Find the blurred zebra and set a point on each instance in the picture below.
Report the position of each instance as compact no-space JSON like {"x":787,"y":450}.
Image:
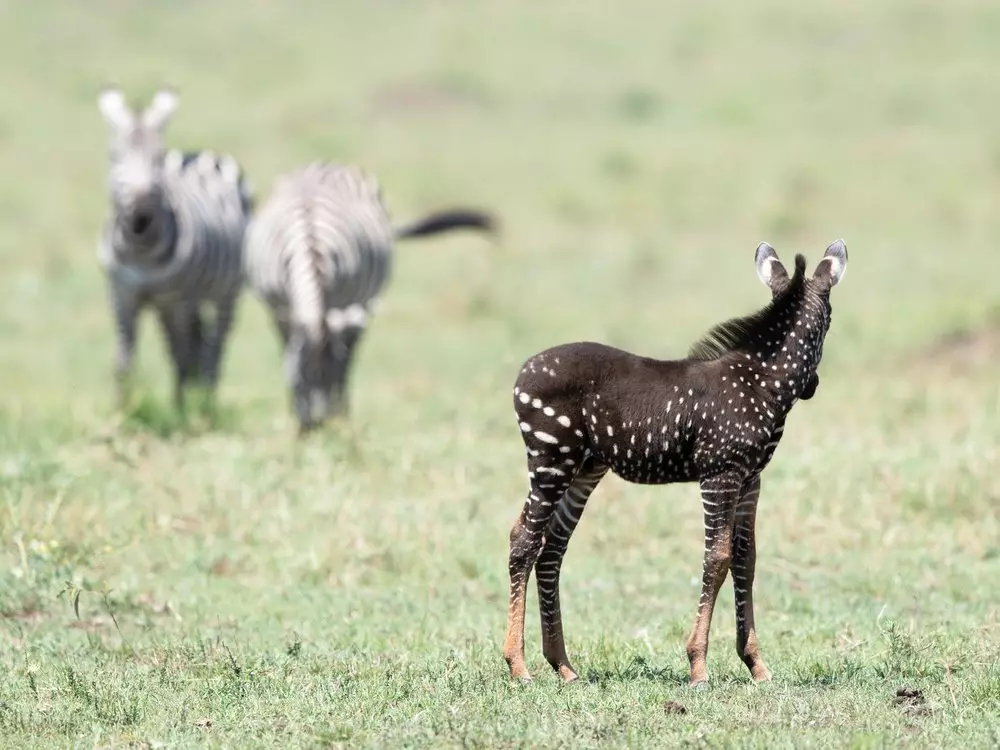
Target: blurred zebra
{"x":318,"y":254}
{"x":172,"y":241}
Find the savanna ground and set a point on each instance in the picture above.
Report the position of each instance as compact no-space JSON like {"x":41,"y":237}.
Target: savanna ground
{"x":235,"y":587}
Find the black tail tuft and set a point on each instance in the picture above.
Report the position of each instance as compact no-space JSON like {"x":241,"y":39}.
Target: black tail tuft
{"x":447,"y":220}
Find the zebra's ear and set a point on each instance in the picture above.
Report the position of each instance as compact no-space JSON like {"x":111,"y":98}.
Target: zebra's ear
{"x":834,"y":264}
{"x":159,"y":111}
{"x":114,"y":109}
{"x":770,"y":271}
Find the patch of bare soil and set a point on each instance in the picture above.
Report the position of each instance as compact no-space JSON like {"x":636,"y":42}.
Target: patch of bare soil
{"x":673,"y":707}
{"x":416,"y":98}
{"x":912,"y":702}
{"x":154,"y":606}
{"x":29,"y":615}
{"x":91,"y":624}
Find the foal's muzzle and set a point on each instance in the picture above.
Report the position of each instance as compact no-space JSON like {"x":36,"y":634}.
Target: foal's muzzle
{"x":810,"y":388}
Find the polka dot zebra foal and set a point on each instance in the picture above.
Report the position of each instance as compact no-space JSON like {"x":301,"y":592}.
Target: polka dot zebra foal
{"x":714,"y":418}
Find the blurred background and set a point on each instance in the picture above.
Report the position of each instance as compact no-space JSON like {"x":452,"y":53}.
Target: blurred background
{"x":636,"y":153}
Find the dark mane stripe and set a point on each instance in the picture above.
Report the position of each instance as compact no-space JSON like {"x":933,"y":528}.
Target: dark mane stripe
{"x":736,"y":333}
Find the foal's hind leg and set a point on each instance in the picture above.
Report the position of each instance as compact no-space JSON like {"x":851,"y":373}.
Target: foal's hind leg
{"x":556,"y":450}
{"x":525,"y":545}
{"x":557,"y":534}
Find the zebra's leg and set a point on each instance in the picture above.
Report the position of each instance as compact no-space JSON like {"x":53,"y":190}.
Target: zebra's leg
{"x":215,"y":342}
{"x":526,"y":540}
{"x":557,"y":534}
{"x":293,"y":369}
{"x":343,"y":362}
{"x":743,"y":565}
{"x":348,"y":327}
{"x":719,"y":497}
{"x":283,"y":328}
{"x":196,"y":334}
{"x":175,"y":321}
{"x":126,"y":312}
{"x":296,"y":352}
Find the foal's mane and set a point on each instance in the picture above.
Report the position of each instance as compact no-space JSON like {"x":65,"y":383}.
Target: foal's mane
{"x":735,"y":334}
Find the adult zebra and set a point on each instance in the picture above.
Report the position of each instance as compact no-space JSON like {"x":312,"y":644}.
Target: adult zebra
{"x":318,"y":253}
{"x":172,"y":241}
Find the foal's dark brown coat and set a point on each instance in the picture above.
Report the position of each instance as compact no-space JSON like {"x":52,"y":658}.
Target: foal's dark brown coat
{"x":715,"y":418}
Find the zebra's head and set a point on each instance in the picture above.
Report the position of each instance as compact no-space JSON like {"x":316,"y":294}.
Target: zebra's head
{"x":806,"y":310}
{"x":136,"y":161}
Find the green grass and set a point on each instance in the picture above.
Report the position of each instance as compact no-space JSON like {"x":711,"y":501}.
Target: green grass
{"x":222,"y":584}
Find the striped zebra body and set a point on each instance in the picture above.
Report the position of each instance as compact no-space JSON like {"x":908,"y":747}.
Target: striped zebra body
{"x":318,"y":253}
{"x":172,"y":242}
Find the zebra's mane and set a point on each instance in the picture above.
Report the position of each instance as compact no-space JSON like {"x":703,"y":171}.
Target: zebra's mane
{"x":735,"y":334}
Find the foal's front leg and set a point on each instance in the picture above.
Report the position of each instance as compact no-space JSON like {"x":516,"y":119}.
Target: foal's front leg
{"x":719,"y":497}
{"x":743,"y":564}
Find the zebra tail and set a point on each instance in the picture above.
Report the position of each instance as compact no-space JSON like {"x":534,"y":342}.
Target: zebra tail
{"x":447,"y":220}
{"x":307,"y":300}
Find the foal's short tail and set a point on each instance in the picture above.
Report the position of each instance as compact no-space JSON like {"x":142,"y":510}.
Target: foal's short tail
{"x":446,"y":221}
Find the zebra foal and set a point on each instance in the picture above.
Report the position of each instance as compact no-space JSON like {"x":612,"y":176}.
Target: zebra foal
{"x":172,"y":241}
{"x":318,"y":253}
{"x":714,"y":418}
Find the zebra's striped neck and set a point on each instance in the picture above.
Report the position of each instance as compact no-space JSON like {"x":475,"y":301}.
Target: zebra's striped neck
{"x":782,"y":359}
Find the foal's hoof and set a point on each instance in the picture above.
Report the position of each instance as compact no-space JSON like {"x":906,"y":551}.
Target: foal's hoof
{"x":700,"y":683}
{"x":518,"y":669}
{"x":762,"y":675}
{"x":568,"y":675}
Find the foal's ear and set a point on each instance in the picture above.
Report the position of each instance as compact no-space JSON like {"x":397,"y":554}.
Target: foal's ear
{"x":158,"y":112}
{"x":769,"y":269}
{"x":114,"y":109}
{"x":834,"y":264}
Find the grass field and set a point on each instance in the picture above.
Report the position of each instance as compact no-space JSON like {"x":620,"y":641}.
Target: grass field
{"x":238,"y":588}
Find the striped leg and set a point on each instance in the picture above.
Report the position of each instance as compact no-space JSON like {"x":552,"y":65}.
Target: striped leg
{"x":196,"y":335}
{"x":279,"y":316}
{"x":719,"y":497}
{"x":215,"y":342}
{"x":557,"y":534}
{"x":344,"y":353}
{"x":176,"y":324}
{"x":296,"y":370}
{"x":348,"y":326}
{"x":283,"y":327}
{"x":744,"y":562}
{"x":526,"y":540}
{"x":126,"y":312}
